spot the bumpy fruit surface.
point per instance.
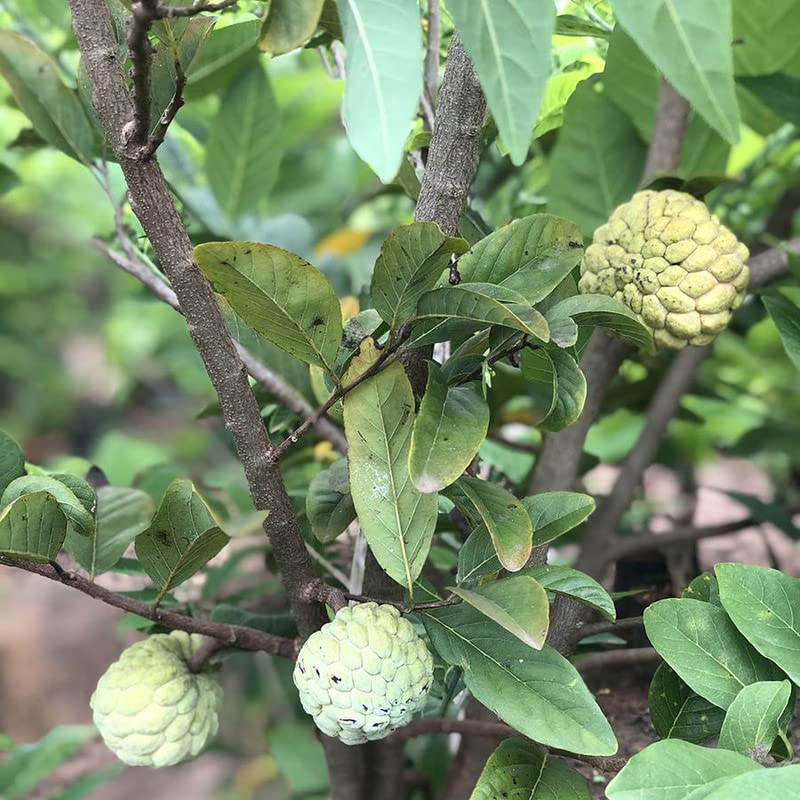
(364, 674)
(672, 263)
(150, 709)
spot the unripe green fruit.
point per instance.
(364, 674)
(150, 709)
(672, 263)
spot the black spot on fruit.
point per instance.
(575, 244)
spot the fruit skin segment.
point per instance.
(151, 709)
(673, 263)
(364, 674)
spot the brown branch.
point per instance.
(617, 658)
(771, 264)
(168, 12)
(175, 104)
(204, 654)
(432, 51)
(497, 730)
(270, 380)
(608, 627)
(137, 127)
(672, 114)
(228, 635)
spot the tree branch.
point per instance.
(137, 127)
(229, 635)
(497, 730)
(168, 12)
(270, 380)
(617, 658)
(432, 51)
(672, 115)
(175, 104)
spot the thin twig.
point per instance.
(201, 657)
(617, 658)
(229, 635)
(143, 15)
(497, 730)
(432, 53)
(175, 104)
(168, 12)
(608, 627)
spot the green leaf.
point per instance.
(701, 644)
(691, 44)
(786, 316)
(783, 782)
(122, 514)
(538, 692)
(556, 385)
(33, 528)
(571, 25)
(752, 722)
(600, 311)
(576, 584)
(477, 557)
(449, 429)
(81, 519)
(518, 769)
(279, 295)
(461, 310)
(503, 515)
(30, 764)
(300, 758)
(779, 92)
(678, 713)
(555, 513)
(55, 111)
(85, 785)
(510, 48)
(12, 461)
(763, 605)
(597, 161)
(704, 587)
(80, 487)
(412, 259)
(329, 511)
(766, 35)
(224, 53)
(384, 78)
(289, 24)
(531, 255)
(517, 603)
(396, 520)
(672, 770)
(281, 624)
(244, 144)
(182, 537)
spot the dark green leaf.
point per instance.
(289, 24)
(412, 259)
(538, 692)
(182, 537)
(571, 25)
(397, 521)
(753, 720)
(505, 518)
(79, 487)
(12, 461)
(576, 584)
(33, 528)
(786, 316)
(766, 35)
(556, 385)
(678, 713)
(279, 295)
(329, 511)
(477, 557)
(448, 431)
(276, 624)
(72, 507)
(518, 769)
(763, 604)
(555, 513)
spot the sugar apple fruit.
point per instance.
(150, 709)
(672, 263)
(364, 674)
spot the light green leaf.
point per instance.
(679, 713)
(81, 519)
(55, 110)
(329, 511)
(396, 519)
(477, 557)
(783, 782)
(412, 259)
(752, 722)
(576, 584)
(12, 461)
(763, 604)
(510, 45)
(701, 644)
(517, 603)
(383, 40)
(84, 786)
(556, 385)
(531, 255)
(461, 310)
(289, 24)
(122, 514)
(597, 161)
(600, 311)
(79, 487)
(503, 515)
(518, 769)
(224, 53)
(449, 429)
(182, 537)
(672, 770)
(766, 35)
(555, 513)
(33, 528)
(244, 144)
(279, 295)
(691, 44)
(786, 316)
(538, 692)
